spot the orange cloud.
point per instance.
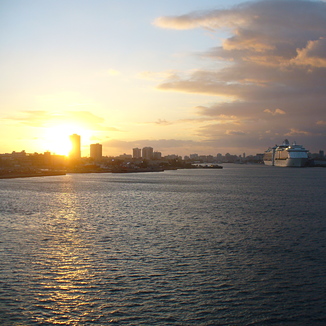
(275, 112)
(294, 132)
(321, 123)
(313, 54)
(235, 132)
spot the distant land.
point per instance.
(22, 164)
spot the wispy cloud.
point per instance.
(296, 132)
(46, 119)
(235, 132)
(163, 122)
(207, 19)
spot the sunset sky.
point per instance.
(181, 76)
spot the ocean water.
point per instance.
(245, 245)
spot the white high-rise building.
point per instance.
(96, 151)
(136, 153)
(75, 152)
(157, 155)
(147, 153)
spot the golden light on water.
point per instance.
(66, 259)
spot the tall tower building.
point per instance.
(136, 153)
(75, 147)
(147, 153)
(96, 151)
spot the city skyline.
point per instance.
(180, 76)
(147, 153)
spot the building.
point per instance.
(202, 158)
(75, 152)
(157, 155)
(136, 153)
(147, 153)
(96, 151)
(210, 159)
(321, 154)
(194, 156)
(125, 156)
(172, 157)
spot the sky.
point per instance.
(181, 76)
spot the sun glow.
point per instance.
(57, 140)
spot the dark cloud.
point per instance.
(274, 80)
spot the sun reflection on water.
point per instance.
(63, 295)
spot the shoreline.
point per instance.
(120, 170)
(31, 175)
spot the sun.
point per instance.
(57, 140)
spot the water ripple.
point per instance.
(174, 248)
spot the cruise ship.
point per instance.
(286, 155)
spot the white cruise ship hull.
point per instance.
(269, 163)
(295, 162)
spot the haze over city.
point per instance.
(183, 77)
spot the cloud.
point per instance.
(275, 112)
(163, 122)
(207, 19)
(45, 119)
(35, 118)
(296, 132)
(312, 55)
(275, 57)
(321, 122)
(235, 132)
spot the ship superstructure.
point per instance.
(286, 155)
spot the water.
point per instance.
(240, 246)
